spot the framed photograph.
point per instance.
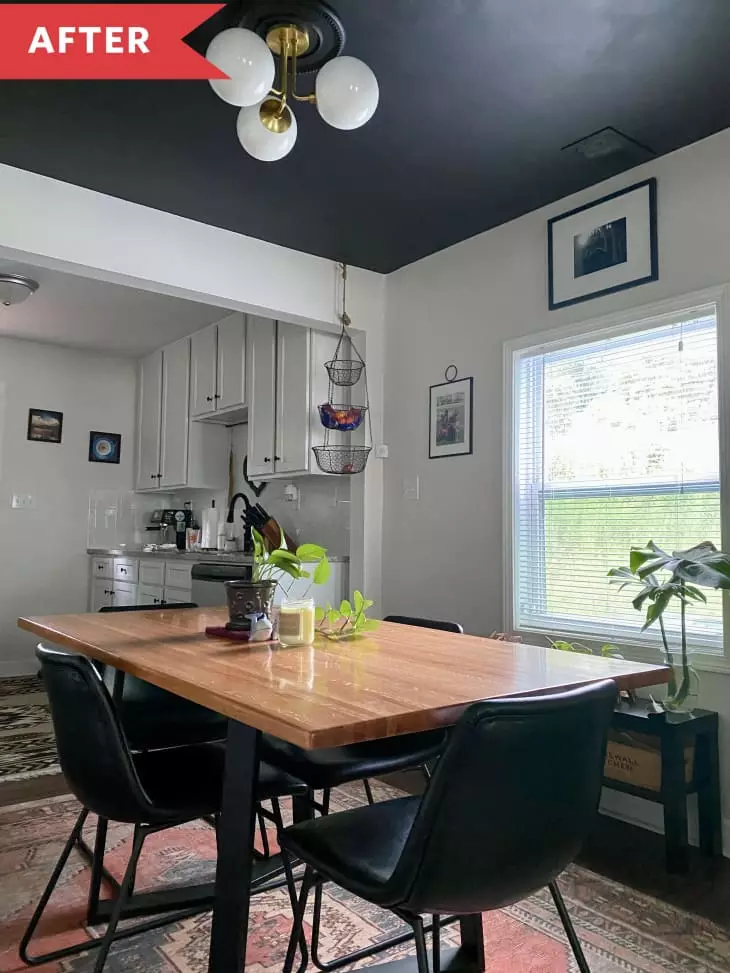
(105, 447)
(45, 426)
(603, 247)
(450, 418)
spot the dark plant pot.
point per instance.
(247, 597)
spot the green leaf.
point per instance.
(656, 608)
(319, 614)
(712, 571)
(281, 556)
(638, 556)
(368, 625)
(358, 601)
(333, 616)
(310, 552)
(695, 594)
(368, 603)
(345, 607)
(258, 543)
(322, 571)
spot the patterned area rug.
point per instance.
(622, 930)
(27, 748)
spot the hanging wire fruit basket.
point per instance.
(346, 368)
(344, 371)
(341, 460)
(343, 418)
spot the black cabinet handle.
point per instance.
(216, 396)
(122, 570)
(278, 459)
(153, 476)
(267, 459)
(209, 398)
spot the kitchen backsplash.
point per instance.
(117, 518)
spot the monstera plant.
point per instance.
(665, 580)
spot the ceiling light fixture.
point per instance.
(307, 38)
(15, 289)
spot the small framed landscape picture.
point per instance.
(45, 426)
(603, 247)
(105, 447)
(450, 418)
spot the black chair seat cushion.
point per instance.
(154, 718)
(357, 849)
(186, 782)
(338, 765)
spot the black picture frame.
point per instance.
(465, 447)
(105, 447)
(44, 426)
(645, 278)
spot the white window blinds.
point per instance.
(615, 443)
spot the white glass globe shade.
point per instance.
(247, 61)
(347, 92)
(259, 141)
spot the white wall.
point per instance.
(442, 555)
(43, 561)
(65, 227)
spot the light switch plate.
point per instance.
(381, 451)
(411, 488)
(23, 501)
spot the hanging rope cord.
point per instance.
(350, 347)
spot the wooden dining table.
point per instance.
(397, 679)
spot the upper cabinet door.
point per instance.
(231, 390)
(175, 397)
(293, 354)
(203, 371)
(261, 366)
(148, 433)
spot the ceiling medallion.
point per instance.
(278, 44)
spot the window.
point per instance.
(615, 443)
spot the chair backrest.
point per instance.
(148, 608)
(92, 748)
(510, 802)
(426, 623)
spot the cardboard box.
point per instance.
(634, 758)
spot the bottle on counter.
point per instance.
(209, 527)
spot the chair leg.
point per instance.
(421, 951)
(290, 884)
(569, 929)
(137, 842)
(436, 944)
(97, 871)
(297, 931)
(264, 836)
(368, 791)
(48, 892)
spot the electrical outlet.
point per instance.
(23, 501)
(381, 451)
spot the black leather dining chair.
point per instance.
(154, 790)
(329, 767)
(509, 805)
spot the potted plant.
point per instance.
(255, 597)
(665, 579)
(347, 621)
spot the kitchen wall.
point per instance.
(322, 515)
(43, 562)
(460, 306)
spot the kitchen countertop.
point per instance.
(237, 557)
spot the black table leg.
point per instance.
(709, 803)
(674, 798)
(236, 829)
(472, 940)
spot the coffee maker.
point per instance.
(170, 523)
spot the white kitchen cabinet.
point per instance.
(151, 573)
(172, 452)
(262, 396)
(174, 428)
(101, 593)
(176, 596)
(150, 421)
(287, 381)
(203, 370)
(124, 595)
(148, 594)
(102, 567)
(218, 371)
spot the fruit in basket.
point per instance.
(345, 418)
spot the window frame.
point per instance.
(642, 317)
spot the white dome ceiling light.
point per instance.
(269, 44)
(15, 289)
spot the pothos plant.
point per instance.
(605, 651)
(266, 563)
(664, 580)
(348, 620)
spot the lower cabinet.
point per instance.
(148, 594)
(159, 583)
(107, 593)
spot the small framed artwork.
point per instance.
(45, 426)
(603, 247)
(105, 447)
(450, 418)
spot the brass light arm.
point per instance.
(312, 99)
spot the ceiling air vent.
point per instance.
(610, 143)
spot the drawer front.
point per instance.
(176, 596)
(102, 567)
(178, 575)
(152, 573)
(149, 594)
(125, 569)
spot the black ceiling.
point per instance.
(478, 97)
